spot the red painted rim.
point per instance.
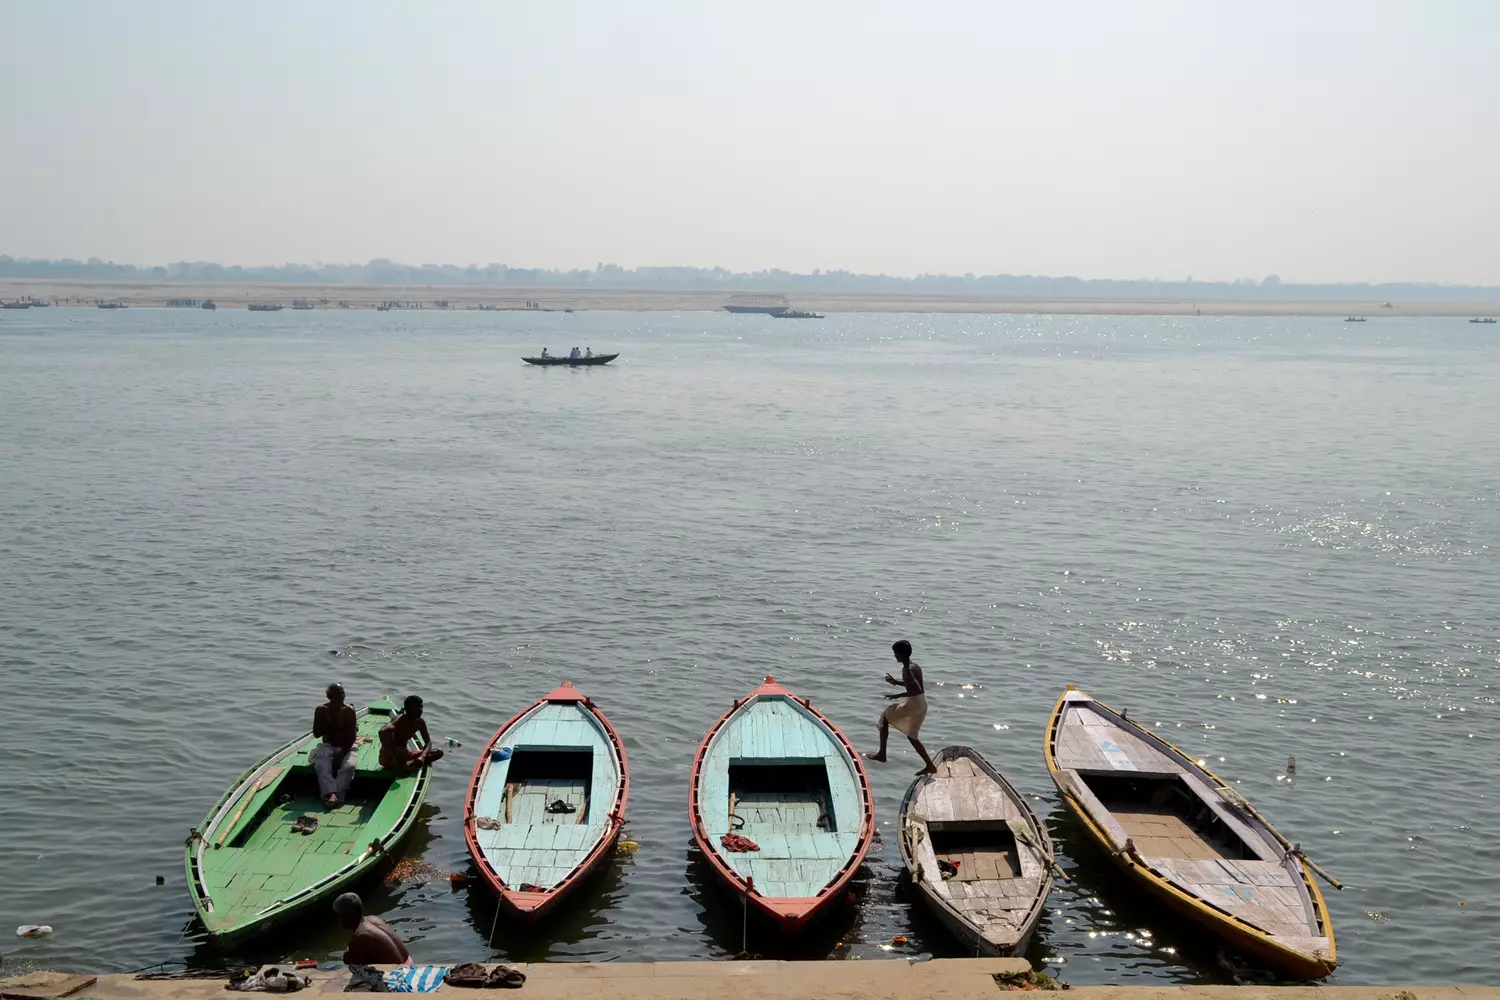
(534, 903)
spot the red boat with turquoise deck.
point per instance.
(781, 806)
(547, 801)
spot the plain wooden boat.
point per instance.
(248, 869)
(531, 852)
(597, 359)
(1187, 837)
(774, 770)
(969, 816)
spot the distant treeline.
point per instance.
(385, 272)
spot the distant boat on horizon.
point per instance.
(765, 304)
(1354, 319)
(208, 304)
(17, 304)
(796, 314)
(113, 305)
(264, 307)
(1485, 319)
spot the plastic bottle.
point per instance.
(454, 743)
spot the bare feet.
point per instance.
(878, 758)
(929, 769)
(331, 802)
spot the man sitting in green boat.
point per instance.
(335, 758)
(396, 753)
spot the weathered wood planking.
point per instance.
(1266, 904)
(987, 903)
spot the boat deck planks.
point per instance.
(522, 843)
(997, 896)
(1238, 880)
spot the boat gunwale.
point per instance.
(535, 903)
(1254, 939)
(1039, 831)
(197, 847)
(786, 914)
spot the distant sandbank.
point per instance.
(465, 297)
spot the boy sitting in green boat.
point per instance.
(396, 753)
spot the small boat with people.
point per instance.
(16, 304)
(1482, 319)
(978, 854)
(780, 805)
(1354, 319)
(797, 314)
(1187, 837)
(272, 848)
(574, 357)
(547, 801)
(264, 307)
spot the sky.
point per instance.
(1319, 141)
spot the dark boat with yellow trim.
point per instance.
(1189, 838)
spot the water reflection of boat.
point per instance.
(1188, 838)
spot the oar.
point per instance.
(1236, 799)
(265, 780)
(1019, 830)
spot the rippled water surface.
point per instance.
(1270, 537)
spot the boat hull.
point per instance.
(242, 835)
(489, 854)
(598, 359)
(955, 810)
(787, 912)
(1233, 930)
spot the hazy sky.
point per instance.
(1317, 140)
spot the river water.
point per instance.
(1272, 537)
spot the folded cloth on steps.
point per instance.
(416, 978)
(268, 981)
(505, 978)
(365, 979)
(736, 844)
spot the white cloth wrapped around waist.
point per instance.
(906, 716)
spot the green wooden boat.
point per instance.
(249, 868)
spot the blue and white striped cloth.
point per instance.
(416, 978)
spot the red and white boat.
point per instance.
(547, 801)
(781, 806)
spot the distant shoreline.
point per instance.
(560, 299)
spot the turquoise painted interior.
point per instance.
(534, 846)
(798, 855)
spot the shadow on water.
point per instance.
(578, 919)
(735, 929)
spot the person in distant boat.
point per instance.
(371, 941)
(589, 353)
(573, 356)
(545, 354)
(907, 714)
(334, 759)
(395, 753)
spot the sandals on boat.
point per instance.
(304, 824)
(559, 806)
